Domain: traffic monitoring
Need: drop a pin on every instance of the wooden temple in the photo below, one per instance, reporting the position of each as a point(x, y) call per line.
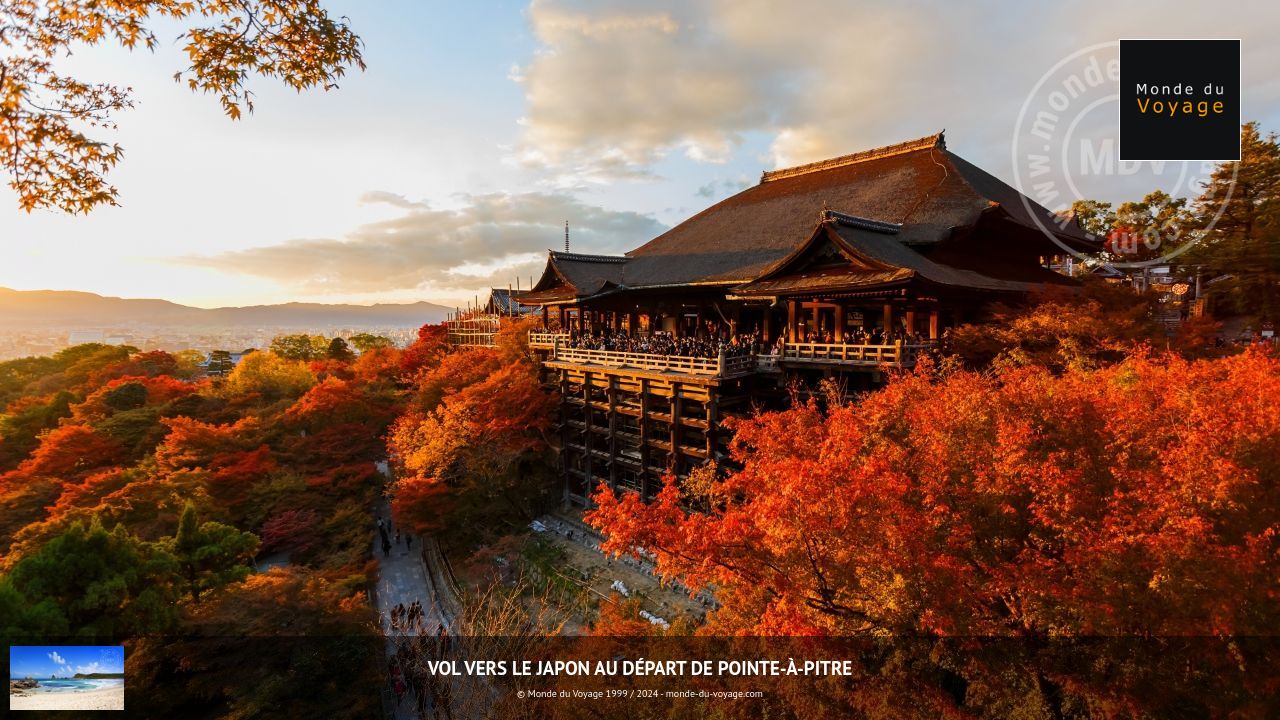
point(834, 269)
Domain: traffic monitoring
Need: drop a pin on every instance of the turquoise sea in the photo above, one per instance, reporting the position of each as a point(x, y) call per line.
point(73, 685)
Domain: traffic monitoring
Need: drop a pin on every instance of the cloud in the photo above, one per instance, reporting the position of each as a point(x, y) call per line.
point(94, 667)
point(617, 85)
point(489, 240)
point(54, 656)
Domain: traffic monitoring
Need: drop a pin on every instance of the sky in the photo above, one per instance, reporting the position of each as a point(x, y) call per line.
point(451, 164)
point(42, 661)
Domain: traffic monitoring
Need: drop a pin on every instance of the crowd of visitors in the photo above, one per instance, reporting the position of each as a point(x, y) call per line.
point(430, 693)
point(711, 344)
point(664, 343)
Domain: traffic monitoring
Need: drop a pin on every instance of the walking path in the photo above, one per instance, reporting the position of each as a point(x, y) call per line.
point(402, 579)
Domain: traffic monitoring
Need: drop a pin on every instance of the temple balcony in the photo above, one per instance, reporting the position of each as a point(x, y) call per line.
point(694, 367)
point(547, 340)
point(895, 355)
point(799, 354)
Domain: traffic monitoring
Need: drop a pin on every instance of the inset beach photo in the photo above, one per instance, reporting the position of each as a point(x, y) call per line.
point(66, 677)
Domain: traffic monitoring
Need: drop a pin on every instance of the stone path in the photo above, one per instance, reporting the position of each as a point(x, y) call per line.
point(402, 579)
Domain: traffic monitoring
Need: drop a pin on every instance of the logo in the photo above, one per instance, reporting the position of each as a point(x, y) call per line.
point(1066, 148)
point(1180, 100)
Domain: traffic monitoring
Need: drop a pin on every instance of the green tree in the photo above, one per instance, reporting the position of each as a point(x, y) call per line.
point(210, 554)
point(1242, 248)
point(364, 342)
point(190, 364)
point(1094, 216)
point(339, 350)
point(46, 116)
point(220, 363)
point(91, 581)
point(300, 347)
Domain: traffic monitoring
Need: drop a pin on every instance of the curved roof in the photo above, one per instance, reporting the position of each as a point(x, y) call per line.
point(919, 185)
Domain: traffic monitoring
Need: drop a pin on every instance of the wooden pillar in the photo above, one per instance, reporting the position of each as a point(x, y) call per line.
point(645, 487)
point(792, 330)
point(564, 433)
point(766, 331)
point(911, 321)
point(713, 423)
point(615, 321)
point(677, 409)
point(839, 329)
point(888, 318)
point(633, 323)
point(613, 432)
point(587, 423)
point(546, 317)
point(933, 323)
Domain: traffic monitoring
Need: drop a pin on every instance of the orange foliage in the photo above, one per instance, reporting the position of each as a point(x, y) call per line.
point(620, 617)
point(420, 504)
point(68, 452)
point(1134, 499)
point(159, 390)
point(426, 351)
point(194, 444)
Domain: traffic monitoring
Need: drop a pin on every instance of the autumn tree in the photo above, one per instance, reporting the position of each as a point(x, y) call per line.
point(287, 642)
point(269, 377)
point(1058, 328)
point(1131, 499)
point(210, 554)
point(364, 342)
point(300, 346)
point(1240, 208)
point(478, 441)
point(51, 123)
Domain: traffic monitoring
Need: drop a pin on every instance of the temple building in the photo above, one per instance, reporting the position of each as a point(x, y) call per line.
point(836, 269)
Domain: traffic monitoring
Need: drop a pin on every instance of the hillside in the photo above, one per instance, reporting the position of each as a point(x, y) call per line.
point(20, 309)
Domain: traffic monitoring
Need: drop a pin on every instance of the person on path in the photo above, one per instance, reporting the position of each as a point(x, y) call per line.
point(408, 541)
point(397, 537)
point(386, 548)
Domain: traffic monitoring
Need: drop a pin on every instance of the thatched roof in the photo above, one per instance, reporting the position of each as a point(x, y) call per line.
point(919, 185)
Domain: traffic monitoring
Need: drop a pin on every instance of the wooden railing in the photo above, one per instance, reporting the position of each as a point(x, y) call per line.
point(896, 354)
point(643, 361)
point(547, 340)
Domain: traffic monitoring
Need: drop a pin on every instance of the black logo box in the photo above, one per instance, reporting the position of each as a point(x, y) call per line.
point(1187, 68)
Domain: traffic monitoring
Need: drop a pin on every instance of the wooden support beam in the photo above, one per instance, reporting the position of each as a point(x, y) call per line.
point(911, 322)
point(793, 330)
point(646, 490)
point(587, 422)
point(677, 409)
point(838, 335)
point(613, 431)
point(888, 319)
point(713, 424)
point(933, 323)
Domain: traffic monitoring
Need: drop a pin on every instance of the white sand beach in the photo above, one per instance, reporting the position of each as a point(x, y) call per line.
point(108, 698)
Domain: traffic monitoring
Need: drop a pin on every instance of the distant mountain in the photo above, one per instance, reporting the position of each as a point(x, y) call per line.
point(22, 309)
